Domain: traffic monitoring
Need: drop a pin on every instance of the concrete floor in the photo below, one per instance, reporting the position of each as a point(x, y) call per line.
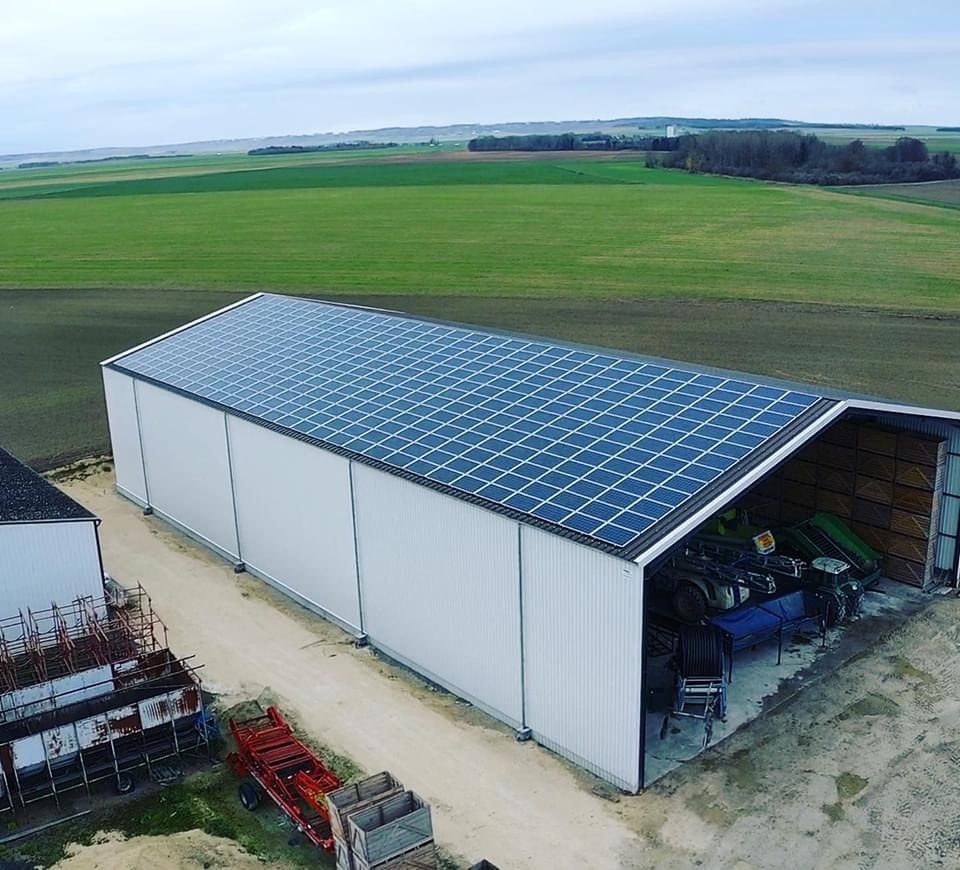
point(760, 684)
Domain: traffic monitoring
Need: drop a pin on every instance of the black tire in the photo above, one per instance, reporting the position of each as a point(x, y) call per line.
point(126, 782)
point(249, 796)
point(689, 603)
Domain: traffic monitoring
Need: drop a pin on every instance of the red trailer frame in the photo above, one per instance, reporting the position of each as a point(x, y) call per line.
point(287, 770)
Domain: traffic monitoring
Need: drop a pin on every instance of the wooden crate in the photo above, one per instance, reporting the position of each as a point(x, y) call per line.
point(911, 500)
point(800, 471)
point(914, 573)
point(842, 433)
point(357, 796)
point(877, 440)
point(916, 475)
point(871, 535)
point(419, 858)
point(919, 448)
point(343, 855)
point(876, 465)
point(794, 513)
point(836, 456)
point(909, 524)
point(837, 503)
point(769, 486)
point(389, 828)
point(871, 489)
point(871, 513)
point(800, 494)
point(911, 549)
point(836, 480)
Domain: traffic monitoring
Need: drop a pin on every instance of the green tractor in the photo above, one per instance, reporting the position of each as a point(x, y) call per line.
point(834, 583)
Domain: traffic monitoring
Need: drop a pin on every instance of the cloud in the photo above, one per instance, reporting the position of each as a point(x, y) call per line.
point(105, 72)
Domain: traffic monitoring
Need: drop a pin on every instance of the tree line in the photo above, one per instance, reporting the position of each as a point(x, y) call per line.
point(310, 149)
point(805, 159)
point(572, 142)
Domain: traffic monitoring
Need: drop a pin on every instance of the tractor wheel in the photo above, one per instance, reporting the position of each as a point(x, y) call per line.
point(689, 603)
point(249, 796)
point(126, 782)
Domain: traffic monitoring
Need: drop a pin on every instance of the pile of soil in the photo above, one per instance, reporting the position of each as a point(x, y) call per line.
point(188, 850)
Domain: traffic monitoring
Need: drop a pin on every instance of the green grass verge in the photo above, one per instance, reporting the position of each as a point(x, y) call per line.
point(205, 801)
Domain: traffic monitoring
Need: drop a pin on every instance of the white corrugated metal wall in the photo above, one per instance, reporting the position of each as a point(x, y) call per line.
point(582, 645)
point(125, 434)
point(187, 466)
point(433, 580)
point(438, 579)
point(42, 563)
point(294, 518)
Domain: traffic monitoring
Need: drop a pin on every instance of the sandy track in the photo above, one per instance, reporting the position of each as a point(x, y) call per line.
point(492, 797)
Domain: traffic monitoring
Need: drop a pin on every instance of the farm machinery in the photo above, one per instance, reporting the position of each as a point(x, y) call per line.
point(273, 761)
point(714, 573)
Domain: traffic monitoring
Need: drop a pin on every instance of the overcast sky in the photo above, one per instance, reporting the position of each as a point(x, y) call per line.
point(88, 73)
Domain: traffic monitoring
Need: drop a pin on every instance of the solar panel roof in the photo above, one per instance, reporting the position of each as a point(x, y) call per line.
point(599, 444)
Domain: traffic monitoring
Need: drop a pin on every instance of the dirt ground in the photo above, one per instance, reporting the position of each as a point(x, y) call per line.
point(189, 850)
point(860, 770)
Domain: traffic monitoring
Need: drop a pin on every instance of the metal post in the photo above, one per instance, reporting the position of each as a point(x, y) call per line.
point(362, 640)
point(239, 567)
point(524, 733)
point(143, 456)
point(644, 624)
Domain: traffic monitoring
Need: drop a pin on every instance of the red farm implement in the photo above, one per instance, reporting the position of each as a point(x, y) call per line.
point(280, 765)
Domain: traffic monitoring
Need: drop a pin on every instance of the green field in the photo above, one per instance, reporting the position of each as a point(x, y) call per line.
point(942, 193)
point(799, 282)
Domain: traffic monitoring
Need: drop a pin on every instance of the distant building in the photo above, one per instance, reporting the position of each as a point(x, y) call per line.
point(672, 131)
point(49, 546)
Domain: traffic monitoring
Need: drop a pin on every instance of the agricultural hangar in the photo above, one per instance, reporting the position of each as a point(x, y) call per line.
point(49, 544)
point(493, 510)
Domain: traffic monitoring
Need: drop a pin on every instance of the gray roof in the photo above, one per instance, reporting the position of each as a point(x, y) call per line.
point(26, 497)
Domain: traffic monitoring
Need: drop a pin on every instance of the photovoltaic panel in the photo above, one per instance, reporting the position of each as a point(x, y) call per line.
point(595, 443)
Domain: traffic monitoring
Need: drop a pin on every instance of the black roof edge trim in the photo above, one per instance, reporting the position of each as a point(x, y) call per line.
point(756, 457)
point(478, 501)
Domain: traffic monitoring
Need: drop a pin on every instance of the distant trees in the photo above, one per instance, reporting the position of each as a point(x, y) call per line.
point(310, 149)
point(805, 159)
point(572, 142)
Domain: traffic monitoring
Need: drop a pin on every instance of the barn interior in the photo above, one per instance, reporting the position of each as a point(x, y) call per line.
point(863, 524)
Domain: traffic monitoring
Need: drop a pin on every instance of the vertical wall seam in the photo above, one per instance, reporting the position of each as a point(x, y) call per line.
point(356, 545)
point(642, 772)
point(233, 488)
point(523, 668)
point(143, 453)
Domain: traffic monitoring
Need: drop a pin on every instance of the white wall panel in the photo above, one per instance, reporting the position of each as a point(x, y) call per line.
point(42, 563)
point(124, 434)
point(439, 581)
point(186, 466)
point(296, 526)
point(582, 633)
